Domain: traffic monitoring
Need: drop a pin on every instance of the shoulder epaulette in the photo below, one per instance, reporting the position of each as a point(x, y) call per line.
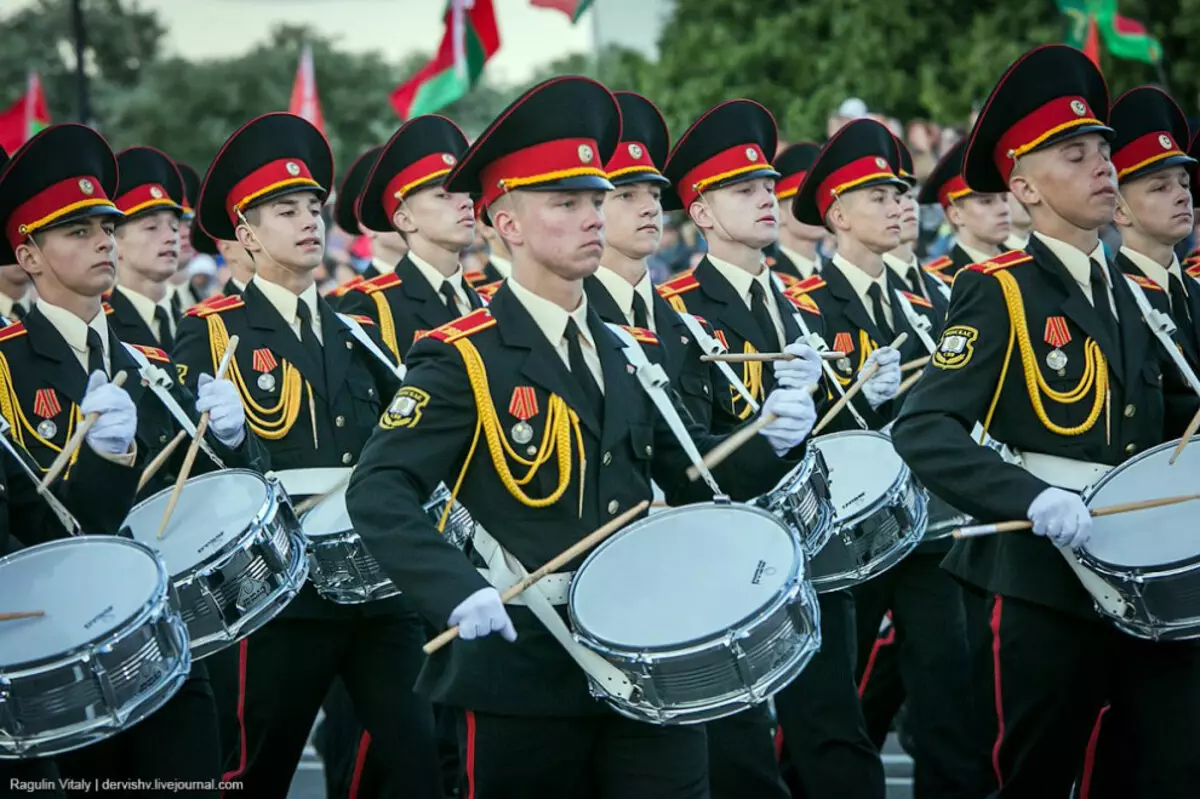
point(153, 353)
point(641, 334)
point(475, 277)
point(487, 290)
point(678, 285)
point(917, 299)
point(215, 306)
point(938, 264)
point(362, 319)
point(788, 281)
point(464, 326)
point(811, 283)
point(1194, 271)
point(770, 261)
point(804, 302)
point(1145, 282)
point(108, 309)
point(348, 286)
point(1003, 261)
point(378, 283)
point(12, 331)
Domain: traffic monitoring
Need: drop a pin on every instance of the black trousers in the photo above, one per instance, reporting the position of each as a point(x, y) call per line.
point(742, 763)
point(595, 757)
point(933, 661)
point(178, 743)
point(285, 671)
point(351, 765)
point(823, 729)
point(880, 686)
point(1051, 674)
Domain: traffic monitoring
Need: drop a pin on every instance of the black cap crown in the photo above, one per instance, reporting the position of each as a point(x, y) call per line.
point(344, 213)
point(731, 143)
point(1150, 132)
point(419, 155)
point(862, 154)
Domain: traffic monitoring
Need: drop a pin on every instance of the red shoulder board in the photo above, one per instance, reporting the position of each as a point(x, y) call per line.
point(215, 306)
point(104, 306)
point(378, 283)
point(14, 330)
point(1145, 282)
point(474, 278)
point(347, 287)
point(641, 334)
point(153, 353)
point(770, 259)
point(811, 283)
point(1194, 271)
point(1003, 261)
point(804, 302)
point(464, 326)
point(678, 285)
point(361, 319)
point(917, 299)
point(487, 290)
point(788, 281)
point(938, 264)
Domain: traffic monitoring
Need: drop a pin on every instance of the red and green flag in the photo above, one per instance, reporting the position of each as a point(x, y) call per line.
point(1093, 23)
point(471, 38)
point(572, 8)
point(305, 102)
point(25, 117)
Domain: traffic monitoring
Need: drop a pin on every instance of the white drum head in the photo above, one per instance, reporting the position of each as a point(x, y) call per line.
point(1155, 536)
point(863, 468)
point(213, 511)
point(682, 575)
point(330, 517)
point(87, 587)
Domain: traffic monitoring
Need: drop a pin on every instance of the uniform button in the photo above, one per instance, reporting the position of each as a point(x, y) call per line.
point(340, 421)
point(613, 506)
point(1130, 449)
point(347, 458)
point(1130, 410)
point(649, 450)
point(162, 439)
point(607, 459)
point(370, 392)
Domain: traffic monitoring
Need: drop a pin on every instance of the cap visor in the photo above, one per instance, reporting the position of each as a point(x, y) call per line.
point(1158, 166)
point(639, 177)
point(84, 213)
point(577, 183)
point(1071, 133)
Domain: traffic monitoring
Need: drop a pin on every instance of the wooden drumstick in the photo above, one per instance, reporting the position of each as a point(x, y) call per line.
point(1112, 510)
point(29, 614)
point(190, 458)
point(551, 566)
point(915, 363)
point(1192, 427)
point(909, 381)
point(153, 466)
point(64, 457)
point(756, 357)
point(317, 499)
point(844, 400)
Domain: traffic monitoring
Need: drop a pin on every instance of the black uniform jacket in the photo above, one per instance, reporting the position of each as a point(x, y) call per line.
point(402, 304)
point(126, 323)
point(274, 373)
point(494, 368)
point(1006, 318)
point(1186, 336)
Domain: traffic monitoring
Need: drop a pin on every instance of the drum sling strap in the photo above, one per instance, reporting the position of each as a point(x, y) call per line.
point(360, 335)
point(60, 510)
point(1162, 326)
point(713, 347)
point(160, 383)
point(917, 322)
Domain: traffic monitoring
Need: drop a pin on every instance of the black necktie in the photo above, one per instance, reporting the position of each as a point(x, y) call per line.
point(18, 311)
point(758, 309)
point(640, 318)
point(309, 339)
point(881, 322)
point(579, 369)
point(914, 280)
point(1179, 310)
point(95, 354)
point(164, 328)
point(1100, 299)
point(451, 299)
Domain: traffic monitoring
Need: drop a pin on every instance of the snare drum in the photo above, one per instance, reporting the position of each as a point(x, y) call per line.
point(704, 608)
point(1150, 557)
point(880, 509)
point(801, 500)
point(944, 518)
point(111, 649)
point(234, 551)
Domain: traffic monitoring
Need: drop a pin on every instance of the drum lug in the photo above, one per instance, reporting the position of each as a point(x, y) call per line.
point(107, 693)
point(645, 681)
point(721, 499)
point(741, 661)
point(9, 722)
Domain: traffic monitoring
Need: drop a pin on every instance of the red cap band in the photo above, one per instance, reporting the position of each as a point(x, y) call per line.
point(541, 163)
point(51, 204)
point(722, 166)
point(266, 179)
point(953, 189)
point(1056, 116)
point(630, 157)
point(139, 198)
point(1144, 151)
point(788, 186)
point(851, 176)
point(432, 166)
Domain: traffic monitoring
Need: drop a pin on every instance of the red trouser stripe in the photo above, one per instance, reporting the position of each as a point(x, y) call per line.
point(360, 760)
point(997, 607)
point(243, 650)
point(1089, 760)
point(470, 755)
point(778, 743)
point(880, 642)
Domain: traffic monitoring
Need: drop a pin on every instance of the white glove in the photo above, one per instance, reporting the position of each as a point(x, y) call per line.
point(797, 415)
point(804, 370)
point(883, 385)
point(482, 613)
point(227, 417)
point(113, 432)
point(1062, 517)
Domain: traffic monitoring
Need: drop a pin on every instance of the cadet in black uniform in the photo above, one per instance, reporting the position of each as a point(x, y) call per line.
point(183, 295)
point(14, 283)
point(345, 216)
point(538, 350)
point(313, 392)
point(58, 220)
point(795, 255)
point(405, 193)
point(150, 195)
point(903, 260)
point(856, 189)
point(1048, 352)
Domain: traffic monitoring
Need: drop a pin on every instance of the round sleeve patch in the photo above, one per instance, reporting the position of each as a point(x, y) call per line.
point(405, 410)
point(957, 346)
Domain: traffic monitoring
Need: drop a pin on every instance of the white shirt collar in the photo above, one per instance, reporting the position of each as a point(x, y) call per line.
point(898, 266)
point(503, 265)
point(1153, 269)
point(74, 330)
point(286, 302)
point(740, 279)
point(382, 266)
point(975, 255)
point(145, 306)
point(7, 304)
point(861, 282)
point(549, 317)
point(622, 292)
point(1016, 241)
point(435, 277)
point(1077, 262)
point(804, 266)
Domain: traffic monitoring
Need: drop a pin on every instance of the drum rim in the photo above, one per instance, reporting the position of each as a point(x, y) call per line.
point(798, 574)
point(905, 476)
point(160, 599)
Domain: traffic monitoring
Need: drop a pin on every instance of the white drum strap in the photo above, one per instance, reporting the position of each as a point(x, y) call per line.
point(362, 338)
point(1104, 594)
point(504, 570)
point(711, 346)
point(60, 510)
point(918, 323)
point(1162, 326)
point(654, 381)
point(942, 287)
point(160, 383)
point(818, 343)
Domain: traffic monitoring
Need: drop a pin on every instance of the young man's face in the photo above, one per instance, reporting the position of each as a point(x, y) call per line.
point(446, 219)
point(562, 230)
point(79, 257)
point(910, 217)
point(186, 252)
point(984, 216)
point(148, 245)
point(1074, 179)
point(1160, 204)
point(290, 229)
point(633, 219)
point(871, 216)
point(746, 213)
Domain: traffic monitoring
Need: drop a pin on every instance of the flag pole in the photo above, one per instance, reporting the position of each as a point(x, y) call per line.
point(83, 106)
point(597, 43)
